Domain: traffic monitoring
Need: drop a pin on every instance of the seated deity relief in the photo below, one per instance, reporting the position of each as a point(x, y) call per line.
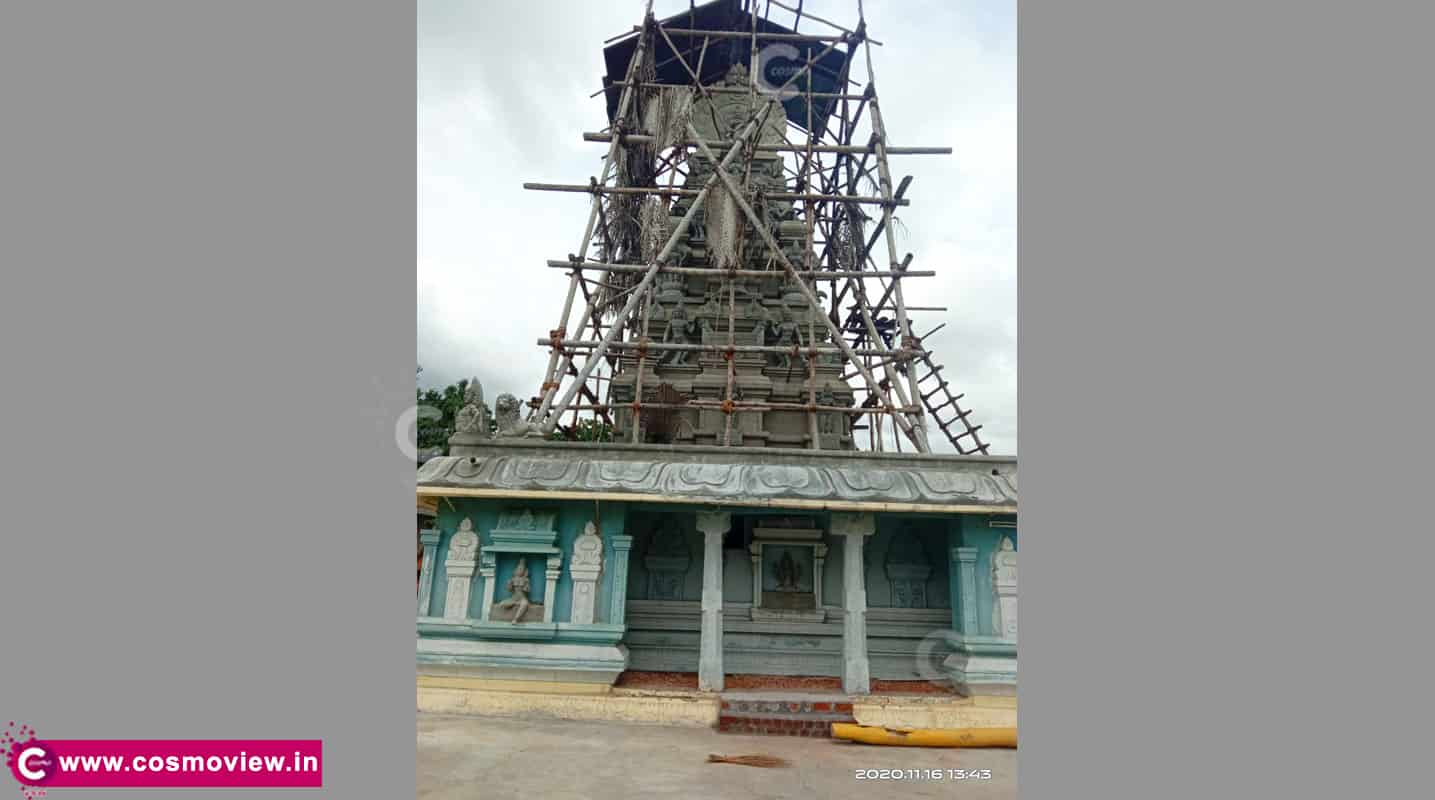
point(517, 607)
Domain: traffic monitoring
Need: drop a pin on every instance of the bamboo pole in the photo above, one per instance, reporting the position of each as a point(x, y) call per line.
point(550, 381)
point(807, 265)
point(904, 325)
point(715, 89)
point(741, 273)
point(721, 348)
point(644, 138)
point(642, 363)
point(579, 188)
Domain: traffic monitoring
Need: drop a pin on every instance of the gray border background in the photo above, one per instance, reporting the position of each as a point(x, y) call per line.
point(1224, 370)
point(208, 326)
point(207, 222)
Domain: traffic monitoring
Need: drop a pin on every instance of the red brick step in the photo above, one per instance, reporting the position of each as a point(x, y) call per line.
point(783, 714)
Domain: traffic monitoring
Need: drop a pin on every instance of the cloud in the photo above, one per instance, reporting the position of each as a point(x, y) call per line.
point(504, 98)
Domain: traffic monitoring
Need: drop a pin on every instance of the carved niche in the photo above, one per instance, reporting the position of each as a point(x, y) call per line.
point(1004, 588)
point(462, 550)
point(907, 570)
point(667, 562)
point(585, 566)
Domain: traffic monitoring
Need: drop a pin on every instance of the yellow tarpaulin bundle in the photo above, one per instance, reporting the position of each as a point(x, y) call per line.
point(931, 737)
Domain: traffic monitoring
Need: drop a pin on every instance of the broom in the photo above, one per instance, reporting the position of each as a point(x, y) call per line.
point(749, 761)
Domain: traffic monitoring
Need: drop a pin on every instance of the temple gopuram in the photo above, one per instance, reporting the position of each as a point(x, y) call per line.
point(744, 489)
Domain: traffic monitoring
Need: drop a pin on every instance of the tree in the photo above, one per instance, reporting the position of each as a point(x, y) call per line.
point(435, 428)
point(587, 430)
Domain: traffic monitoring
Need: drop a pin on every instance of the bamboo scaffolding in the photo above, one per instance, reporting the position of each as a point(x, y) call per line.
point(903, 323)
point(769, 37)
point(806, 291)
point(550, 380)
point(579, 188)
point(740, 273)
point(875, 340)
point(800, 349)
point(754, 124)
point(645, 138)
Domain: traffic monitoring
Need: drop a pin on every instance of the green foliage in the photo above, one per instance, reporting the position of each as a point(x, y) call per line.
point(587, 430)
point(437, 410)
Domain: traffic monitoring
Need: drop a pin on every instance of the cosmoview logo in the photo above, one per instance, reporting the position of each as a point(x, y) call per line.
point(35, 763)
point(776, 64)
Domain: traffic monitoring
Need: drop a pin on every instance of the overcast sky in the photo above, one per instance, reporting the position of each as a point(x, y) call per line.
point(503, 98)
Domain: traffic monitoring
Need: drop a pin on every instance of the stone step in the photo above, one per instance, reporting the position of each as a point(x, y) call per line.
point(783, 714)
point(765, 706)
point(816, 726)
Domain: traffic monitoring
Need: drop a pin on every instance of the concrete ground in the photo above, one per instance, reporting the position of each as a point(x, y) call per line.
point(491, 758)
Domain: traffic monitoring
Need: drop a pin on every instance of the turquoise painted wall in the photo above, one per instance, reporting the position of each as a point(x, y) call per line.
point(976, 531)
point(929, 538)
point(570, 519)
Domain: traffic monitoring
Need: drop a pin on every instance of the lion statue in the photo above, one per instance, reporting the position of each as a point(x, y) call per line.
point(505, 411)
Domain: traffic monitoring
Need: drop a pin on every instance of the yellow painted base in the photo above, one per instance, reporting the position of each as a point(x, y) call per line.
point(454, 694)
point(929, 737)
point(978, 711)
point(614, 705)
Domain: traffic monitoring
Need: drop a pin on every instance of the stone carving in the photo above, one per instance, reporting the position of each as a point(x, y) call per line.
point(509, 425)
point(907, 571)
point(788, 573)
point(724, 477)
point(827, 421)
point(462, 549)
point(585, 567)
point(588, 549)
point(786, 333)
point(518, 588)
point(473, 417)
point(681, 330)
point(465, 542)
point(1004, 589)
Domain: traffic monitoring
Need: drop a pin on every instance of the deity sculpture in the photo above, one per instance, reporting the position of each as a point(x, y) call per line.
point(518, 588)
point(473, 417)
point(680, 331)
point(786, 333)
point(788, 573)
point(827, 421)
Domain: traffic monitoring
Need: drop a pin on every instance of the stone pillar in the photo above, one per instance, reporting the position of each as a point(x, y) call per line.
point(756, 550)
point(964, 560)
point(550, 587)
point(710, 675)
point(1004, 588)
point(618, 611)
point(585, 566)
point(854, 529)
point(819, 557)
point(488, 569)
point(428, 537)
point(462, 550)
